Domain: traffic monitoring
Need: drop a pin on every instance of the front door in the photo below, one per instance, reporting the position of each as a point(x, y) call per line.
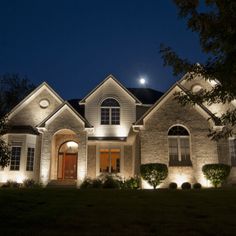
point(70, 166)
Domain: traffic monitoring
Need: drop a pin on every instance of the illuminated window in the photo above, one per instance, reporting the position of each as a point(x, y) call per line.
point(179, 150)
point(15, 156)
point(30, 159)
point(110, 160)
point(232, 150)
point(110, 112)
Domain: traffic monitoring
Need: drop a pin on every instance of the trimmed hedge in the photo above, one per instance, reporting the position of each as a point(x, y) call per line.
point(186, 185)
point(111, 181)
point(154, 173)
point(197, 186)
point(173, 185)
point(216, 173)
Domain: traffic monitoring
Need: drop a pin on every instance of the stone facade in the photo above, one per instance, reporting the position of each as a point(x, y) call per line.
point(140, 138)
point(154, 140)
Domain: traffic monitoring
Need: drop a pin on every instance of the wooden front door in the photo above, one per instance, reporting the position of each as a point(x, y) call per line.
point(70, 166)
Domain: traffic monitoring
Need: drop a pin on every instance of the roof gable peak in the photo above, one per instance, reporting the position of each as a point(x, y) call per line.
point(110, 77)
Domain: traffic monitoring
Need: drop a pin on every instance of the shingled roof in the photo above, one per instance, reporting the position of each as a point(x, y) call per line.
point(146, 95)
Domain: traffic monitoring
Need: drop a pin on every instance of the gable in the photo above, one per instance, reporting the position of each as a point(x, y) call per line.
point(65, 116)
point(109, 82)
point(169, 95)
point(35, 107)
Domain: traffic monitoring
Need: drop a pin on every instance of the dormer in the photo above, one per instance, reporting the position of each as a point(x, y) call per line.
point(110, 108)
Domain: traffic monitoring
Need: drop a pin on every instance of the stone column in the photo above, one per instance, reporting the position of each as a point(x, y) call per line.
point(45, 158)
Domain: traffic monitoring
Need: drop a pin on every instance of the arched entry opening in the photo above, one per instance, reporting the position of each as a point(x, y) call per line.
point(67, 160)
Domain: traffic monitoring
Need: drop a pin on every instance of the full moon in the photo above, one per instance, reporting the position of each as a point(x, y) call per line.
point(142, 81)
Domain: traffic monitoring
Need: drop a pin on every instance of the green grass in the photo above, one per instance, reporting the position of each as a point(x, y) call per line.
point(114, 212)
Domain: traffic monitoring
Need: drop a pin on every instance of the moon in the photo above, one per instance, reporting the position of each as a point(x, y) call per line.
point(142, 81)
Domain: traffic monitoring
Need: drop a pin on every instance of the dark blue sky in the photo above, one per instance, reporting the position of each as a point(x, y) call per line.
point(73, 44)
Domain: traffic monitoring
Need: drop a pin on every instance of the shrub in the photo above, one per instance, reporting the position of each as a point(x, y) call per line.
point(111, 182)
point(11, 184)
point(186, 185)
point(131, 183)
point(30, 183)
point(87, 183)
point(154, 173)
point(216, 173)
point(103, 181)
point(173, 185)
point(96, 183)
point(197, 186)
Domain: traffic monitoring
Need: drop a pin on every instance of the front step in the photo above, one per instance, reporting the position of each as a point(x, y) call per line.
point(67, 183)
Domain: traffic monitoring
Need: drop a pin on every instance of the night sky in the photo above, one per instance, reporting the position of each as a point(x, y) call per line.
point(73, 45)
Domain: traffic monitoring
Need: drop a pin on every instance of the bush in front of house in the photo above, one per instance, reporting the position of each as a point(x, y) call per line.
point(154, 173)
point(173, 185)
point(110, 182)
point(131, 183)
point(30, 183)
point(197, 186)
point(186, 185)
point(102, 181)
point(87, 183)
point(11, 184)
point(216, 173)
point(96, 183)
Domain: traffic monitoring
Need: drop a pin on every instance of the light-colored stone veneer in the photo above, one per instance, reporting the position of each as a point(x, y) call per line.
point(32, 114)
point(128, 161)
point(91, 165)
point(154, 140)
point(64, 121)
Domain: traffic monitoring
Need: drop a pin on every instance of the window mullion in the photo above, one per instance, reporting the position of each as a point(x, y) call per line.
point(110, 114)
point(109, 160)
point(179, 149)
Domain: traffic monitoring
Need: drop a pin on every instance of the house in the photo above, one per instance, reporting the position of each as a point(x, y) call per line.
point(114, 130)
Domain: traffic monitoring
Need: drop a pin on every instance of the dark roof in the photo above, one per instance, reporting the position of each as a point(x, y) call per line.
point(75, 104)
point(146, 95)
point(22, 129)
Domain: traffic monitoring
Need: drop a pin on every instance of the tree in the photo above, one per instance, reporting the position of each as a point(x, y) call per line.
point(13, 89)
point(215, 23)
point(4, 148)
point(154, 173)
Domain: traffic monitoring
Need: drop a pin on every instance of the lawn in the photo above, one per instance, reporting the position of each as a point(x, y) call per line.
point(117, 212)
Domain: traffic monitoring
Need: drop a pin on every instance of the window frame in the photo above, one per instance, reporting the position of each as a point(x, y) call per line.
point(110, 160)
point(11, 166)
point(232, 157)
point(30, 162)
point(180, 161)
point(112, 116)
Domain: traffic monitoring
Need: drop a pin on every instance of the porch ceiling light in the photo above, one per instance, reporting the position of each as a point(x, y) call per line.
point(72, 144)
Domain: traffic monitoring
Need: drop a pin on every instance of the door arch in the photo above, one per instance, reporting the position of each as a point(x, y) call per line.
point(67, 160)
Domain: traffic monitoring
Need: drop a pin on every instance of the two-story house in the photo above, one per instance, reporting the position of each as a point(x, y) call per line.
point(114, 130)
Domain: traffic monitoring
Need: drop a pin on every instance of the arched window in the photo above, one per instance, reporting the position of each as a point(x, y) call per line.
point(110, 112)
point(232, 151)
point(179, 150)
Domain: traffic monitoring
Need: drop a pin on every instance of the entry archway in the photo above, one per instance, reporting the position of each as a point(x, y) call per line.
point(67, 160)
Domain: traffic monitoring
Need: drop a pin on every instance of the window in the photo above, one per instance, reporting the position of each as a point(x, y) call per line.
point(30, 159)
point(15, 156)
point(110, 160)
point(179, 150)
point(232, 151)
point(110, 112)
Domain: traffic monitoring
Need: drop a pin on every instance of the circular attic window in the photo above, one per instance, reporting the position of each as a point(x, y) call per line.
point(44, 103)
point(196, 88)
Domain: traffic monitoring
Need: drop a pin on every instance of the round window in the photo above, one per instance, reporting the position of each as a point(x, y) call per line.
point(196, 88)
point(44, 103)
